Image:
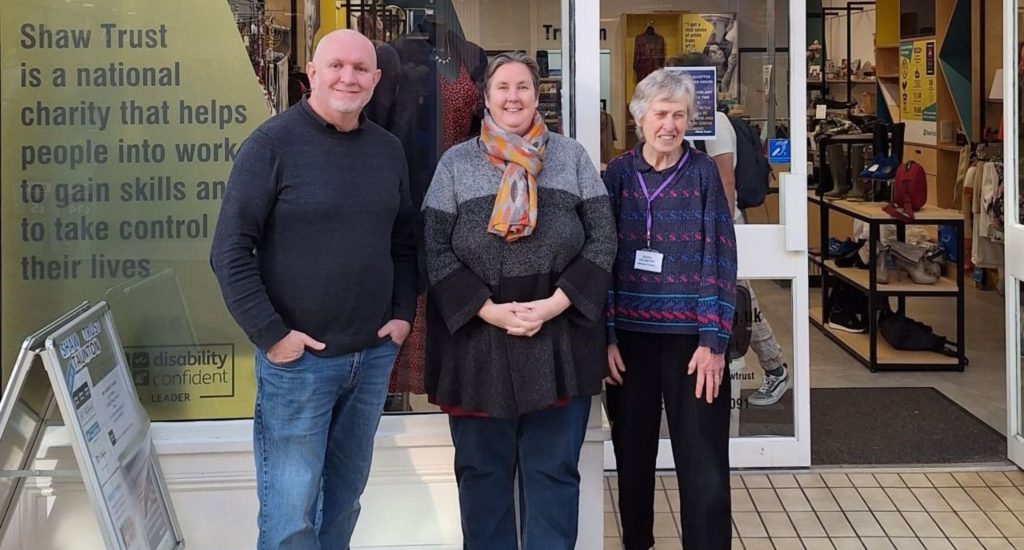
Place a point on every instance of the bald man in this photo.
(316, 258)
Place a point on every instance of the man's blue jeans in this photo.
(543, 448)
(313, 432)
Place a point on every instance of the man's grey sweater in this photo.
(316, 233)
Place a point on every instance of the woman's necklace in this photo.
(448, 51)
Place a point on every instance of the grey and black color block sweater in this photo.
(478, 368)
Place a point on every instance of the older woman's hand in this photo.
(710, 367)
(615, 366)
(507, 317)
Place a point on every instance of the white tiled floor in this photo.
(908, 509)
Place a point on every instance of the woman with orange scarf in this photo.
(519, 241)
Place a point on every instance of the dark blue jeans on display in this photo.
(543, 448)
(313, 432)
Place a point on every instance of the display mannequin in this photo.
(378, 110)
(648, 52)
(607, 135)
(435, 60)
(437, 103)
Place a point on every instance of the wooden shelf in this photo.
(859, 344)
(896, 75)
(859, 278)
(949, 147)
(852, 138)
(873, 211)
(854, 81)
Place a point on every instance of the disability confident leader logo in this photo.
(181, 375)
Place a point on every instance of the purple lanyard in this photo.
(650, 197)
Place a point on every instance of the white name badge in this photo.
(648, 260)
(873, 168)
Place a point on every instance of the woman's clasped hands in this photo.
(524, 318)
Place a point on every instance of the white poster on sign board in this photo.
(110, 433)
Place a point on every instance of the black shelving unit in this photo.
(868, 348)
(550, 102)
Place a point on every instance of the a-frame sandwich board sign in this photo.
(110, 433)
(26, 408)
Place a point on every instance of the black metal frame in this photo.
(875, 294)
(394, 26)
(848, 9)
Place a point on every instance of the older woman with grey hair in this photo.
(669, 318)
(520, 243)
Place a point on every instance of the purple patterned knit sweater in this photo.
(695, 291)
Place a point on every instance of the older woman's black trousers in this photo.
(656, 370)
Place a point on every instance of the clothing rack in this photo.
(987, 151)
(848, 10)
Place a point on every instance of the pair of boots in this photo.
(843, 186)
(888, 155)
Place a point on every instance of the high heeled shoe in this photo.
(881, 264)
(892, 162)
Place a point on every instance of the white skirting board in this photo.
(411, 500)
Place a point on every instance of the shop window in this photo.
(433, 56)
(120, 123)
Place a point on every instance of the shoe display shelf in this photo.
(869, 347)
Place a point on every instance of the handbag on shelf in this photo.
(909, 192)
(923, 264)
(904, 333)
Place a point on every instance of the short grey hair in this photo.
(512, 57)
(664, 85)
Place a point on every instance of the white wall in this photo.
(411, 501)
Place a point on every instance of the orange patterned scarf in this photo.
(521, 159)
